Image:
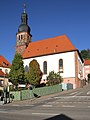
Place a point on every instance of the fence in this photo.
(28, 94)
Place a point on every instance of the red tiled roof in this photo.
(86, 62)
(48, 46)
(4, 62)
(2, 73)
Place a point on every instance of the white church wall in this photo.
(53, 63)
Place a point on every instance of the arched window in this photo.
(19, 37)
(44, 67)
(26, 68)
(61, 65)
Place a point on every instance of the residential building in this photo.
(86, 69)
(4, 70)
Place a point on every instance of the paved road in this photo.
(67, 105)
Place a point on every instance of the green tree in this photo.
(54, 78)
(89, 78)
(17, 70)
(34, 74)
(85, 54)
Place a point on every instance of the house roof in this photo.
(4, 62)
(86, 62)
(2, 73)
(49, 46)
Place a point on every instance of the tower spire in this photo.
(23, 36)
(24, 8)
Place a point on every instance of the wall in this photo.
(5, 69)
(79, 71)
(4, 82)
(29, 94)
(86, 71)
(73, 66)
(53, 63)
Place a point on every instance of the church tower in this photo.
(23, 36)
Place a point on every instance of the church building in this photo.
(56, 54)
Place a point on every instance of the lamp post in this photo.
(8, 90)
(5, 91)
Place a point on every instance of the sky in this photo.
(47, 19)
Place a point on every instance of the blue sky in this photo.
(46, 18)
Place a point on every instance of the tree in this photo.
(34, 73)
(54, 78)
(89, 78)
(85, 54)
(17, 70)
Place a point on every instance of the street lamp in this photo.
(5, 99)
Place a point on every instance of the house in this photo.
(4, 70)
(86, 69)
(56, 54)
(3, 80)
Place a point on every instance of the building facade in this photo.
(86, 69)
(4, 70)
(61, 57)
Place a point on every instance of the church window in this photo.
(45, 67)
(61, 65)
(19, 37)
(28, 37)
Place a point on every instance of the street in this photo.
(67, 105)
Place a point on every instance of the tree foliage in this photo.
(34, 74)
(85, 54)
(17, 70)
(88, 77)
(54, 78)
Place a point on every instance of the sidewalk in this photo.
(1, 102)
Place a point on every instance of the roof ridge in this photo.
(64, 35)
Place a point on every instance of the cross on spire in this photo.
(24, 8)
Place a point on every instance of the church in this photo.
(56, 54)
